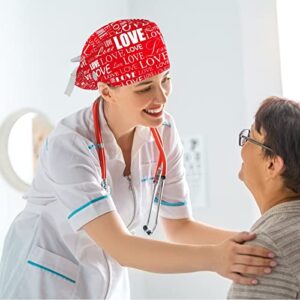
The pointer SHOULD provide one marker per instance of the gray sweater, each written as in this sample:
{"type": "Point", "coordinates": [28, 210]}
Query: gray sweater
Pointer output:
{"type": "Point", "coordinates": [278, 230]}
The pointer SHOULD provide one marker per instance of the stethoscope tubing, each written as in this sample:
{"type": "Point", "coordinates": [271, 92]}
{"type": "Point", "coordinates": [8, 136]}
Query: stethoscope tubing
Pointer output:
{"type": "Point", "coordinates": [162, 156]}
{"type": "Point", "coordinates": [99, 140]}
{"type": "Point", "coordinates": [160, 173]}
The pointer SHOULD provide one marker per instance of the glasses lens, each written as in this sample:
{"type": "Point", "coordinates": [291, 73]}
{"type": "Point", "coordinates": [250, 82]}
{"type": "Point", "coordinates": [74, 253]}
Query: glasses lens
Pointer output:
{"type": "Point", "coordinates": [244, 137]}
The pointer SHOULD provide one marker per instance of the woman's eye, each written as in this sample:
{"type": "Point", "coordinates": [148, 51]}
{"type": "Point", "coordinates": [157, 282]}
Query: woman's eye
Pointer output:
{"type": "Point", "coordinates": [168, 78]}
{"type": "Point", "coordinates": [145, 90]}
{"type": "Point", "coordinates": [165, 80]}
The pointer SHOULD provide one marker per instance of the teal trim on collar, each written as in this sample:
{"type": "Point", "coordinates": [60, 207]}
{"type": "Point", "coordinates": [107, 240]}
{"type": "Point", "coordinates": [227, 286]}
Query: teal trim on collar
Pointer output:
{"type": "Point", "coordinates": [47, 147]}
{"type": "Point", "coordinates": [51, 271]}
{"type": "Point", "coordinates": [92, 146]}
{"type": "Point", "coordinates": [85, 205]}
{"type": "Point", "coordinates": [166, 123]}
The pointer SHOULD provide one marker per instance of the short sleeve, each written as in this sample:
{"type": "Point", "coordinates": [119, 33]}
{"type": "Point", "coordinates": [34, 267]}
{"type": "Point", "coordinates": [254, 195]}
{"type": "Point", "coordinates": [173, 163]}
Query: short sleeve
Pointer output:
{"type": "Point", "coordinates": [175, 203]}
{"type": "Point", "coordinates": [75, 177]}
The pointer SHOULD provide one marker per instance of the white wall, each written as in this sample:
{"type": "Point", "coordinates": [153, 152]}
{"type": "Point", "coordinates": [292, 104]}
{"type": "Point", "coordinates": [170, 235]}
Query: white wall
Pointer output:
{"type": "Point", "coordinates": [260, 48]}
{"type": "Point", "coordinates": [225, 61]}
{"type": "Point", "coordinates": [224, 57]}
{"type": "Point", "coordinates": [289, 24]}
{"type": "Point", "coordinates": [38, 39]}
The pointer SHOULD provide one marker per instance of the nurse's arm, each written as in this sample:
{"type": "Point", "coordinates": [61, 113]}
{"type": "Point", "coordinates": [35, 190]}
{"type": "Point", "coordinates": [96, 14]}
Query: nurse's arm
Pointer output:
{"type": "Point", "coordinates": [189, 231]}
{"type": "Point", "coordinates": [110, 233]}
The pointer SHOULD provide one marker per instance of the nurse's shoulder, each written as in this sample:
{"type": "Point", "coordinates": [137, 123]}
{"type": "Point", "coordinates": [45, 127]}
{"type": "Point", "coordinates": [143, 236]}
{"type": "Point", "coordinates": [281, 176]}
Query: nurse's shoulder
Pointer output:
{"type": "Point", "coordinates": [70, 141]}
{"type": "Point", "coordinates": [78, 123]}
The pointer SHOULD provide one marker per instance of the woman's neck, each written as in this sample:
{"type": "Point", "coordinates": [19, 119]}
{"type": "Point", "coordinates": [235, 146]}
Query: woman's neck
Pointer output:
{"type": "Point", "coordinates": [122, 132]}
{"type": "Point", "coordinates": [274, 197]}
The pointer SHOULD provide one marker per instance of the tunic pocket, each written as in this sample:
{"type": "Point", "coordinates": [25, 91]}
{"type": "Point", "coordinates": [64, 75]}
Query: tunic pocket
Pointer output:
{"type": "Point", "coordinates": [49, 275]}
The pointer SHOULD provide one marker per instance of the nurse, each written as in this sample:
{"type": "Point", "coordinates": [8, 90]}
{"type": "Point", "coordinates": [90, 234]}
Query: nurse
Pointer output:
{"type": "Point", "coordinates": [94, 184]}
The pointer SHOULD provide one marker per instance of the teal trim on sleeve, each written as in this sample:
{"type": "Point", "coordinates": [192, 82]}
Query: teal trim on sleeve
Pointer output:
{"type": "Point", "coordinates": [85, 205]}
{"type": "Point", "coordinates": [166, 203]}
{"type": "Point", "coordinates": [51, 271]}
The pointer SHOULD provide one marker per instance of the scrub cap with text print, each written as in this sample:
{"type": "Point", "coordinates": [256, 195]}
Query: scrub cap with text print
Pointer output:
{"type": "Point", "coordinates": [120, 53]}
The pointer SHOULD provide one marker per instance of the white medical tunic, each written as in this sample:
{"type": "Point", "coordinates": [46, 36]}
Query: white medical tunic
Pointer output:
{"type": "Point", "coordinates": [46, 252]}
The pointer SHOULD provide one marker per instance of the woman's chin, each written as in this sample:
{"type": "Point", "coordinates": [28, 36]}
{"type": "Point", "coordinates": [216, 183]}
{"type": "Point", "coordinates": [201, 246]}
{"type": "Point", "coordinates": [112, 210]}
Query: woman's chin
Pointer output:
{"type": "Point", "coordinates": [153, 122]}
{"type": "Point", "coordinates": [241, 175]}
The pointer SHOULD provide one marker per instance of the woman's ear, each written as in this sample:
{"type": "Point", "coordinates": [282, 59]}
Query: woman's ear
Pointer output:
{"type": "Point", "coordinates": [105, 91]}
{"type": "Point", "coordinates": [275, 166]}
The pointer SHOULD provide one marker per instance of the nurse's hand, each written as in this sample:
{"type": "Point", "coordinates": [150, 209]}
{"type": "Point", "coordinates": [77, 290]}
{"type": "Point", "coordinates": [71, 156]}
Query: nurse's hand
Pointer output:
{"type": "Point", "coordinates": [242, 263]}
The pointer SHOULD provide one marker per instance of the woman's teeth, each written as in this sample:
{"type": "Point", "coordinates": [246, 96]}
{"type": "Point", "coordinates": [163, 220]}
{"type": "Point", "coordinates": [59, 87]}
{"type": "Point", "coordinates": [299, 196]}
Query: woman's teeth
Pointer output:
{"type": "Point", "coordinates": [153, 111]}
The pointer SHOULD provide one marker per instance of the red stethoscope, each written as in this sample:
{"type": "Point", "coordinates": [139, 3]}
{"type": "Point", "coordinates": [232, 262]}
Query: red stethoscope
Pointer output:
{"type": "Point", "coordinates": [160, 173]}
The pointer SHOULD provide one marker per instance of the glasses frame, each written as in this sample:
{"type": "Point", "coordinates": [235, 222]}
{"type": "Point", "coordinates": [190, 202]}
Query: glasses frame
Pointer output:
{"type": "Point", "coordinates": [247, 138]}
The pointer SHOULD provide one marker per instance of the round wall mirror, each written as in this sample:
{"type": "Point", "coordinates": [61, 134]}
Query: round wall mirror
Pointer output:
{"type": "Point", "coordinates": [21, 138]}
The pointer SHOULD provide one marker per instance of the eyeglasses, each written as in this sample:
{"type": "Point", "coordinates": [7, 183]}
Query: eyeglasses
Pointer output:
{"type": "Point", "coordinates": [244, 137]}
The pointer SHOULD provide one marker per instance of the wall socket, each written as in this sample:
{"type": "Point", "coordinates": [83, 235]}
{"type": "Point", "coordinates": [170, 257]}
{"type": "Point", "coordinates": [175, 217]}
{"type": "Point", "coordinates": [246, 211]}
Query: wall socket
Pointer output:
{"type": "Point", "coordinates": [194, 162]}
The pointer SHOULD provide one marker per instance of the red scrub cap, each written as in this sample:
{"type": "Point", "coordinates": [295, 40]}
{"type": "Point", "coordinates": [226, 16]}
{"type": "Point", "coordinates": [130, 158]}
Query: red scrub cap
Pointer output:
{"type": "Point", "coordinates": [121, 53]}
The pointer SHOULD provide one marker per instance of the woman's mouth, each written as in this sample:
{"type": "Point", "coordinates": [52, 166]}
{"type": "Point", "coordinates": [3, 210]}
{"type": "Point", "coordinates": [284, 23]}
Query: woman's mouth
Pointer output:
{"type": "Point", "coordinates": [154, 112]}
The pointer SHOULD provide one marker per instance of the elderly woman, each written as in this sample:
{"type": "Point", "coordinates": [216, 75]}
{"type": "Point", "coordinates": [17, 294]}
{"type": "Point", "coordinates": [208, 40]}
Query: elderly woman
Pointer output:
{"type": "Point", "coordinates": [271, 171]}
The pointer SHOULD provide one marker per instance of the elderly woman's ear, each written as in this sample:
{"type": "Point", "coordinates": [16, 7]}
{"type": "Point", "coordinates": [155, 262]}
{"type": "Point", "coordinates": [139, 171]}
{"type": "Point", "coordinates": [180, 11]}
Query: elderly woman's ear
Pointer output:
{"type": "Point", "coordinates": [275, 166]}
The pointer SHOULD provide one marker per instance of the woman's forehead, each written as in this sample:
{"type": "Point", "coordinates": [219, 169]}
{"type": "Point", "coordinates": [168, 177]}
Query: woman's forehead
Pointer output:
{"type": "Point", "coordinates": [152, 79]}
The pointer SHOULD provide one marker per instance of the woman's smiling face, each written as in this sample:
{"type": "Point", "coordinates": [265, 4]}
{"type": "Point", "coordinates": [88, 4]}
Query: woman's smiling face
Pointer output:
{"type": "Point", "coordinates": [143, 103]}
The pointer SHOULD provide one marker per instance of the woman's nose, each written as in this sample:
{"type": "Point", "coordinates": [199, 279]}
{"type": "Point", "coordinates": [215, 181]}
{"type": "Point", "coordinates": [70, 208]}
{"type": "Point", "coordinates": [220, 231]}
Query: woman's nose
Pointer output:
{"type": "Point", "coordinates": [161, 97]}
